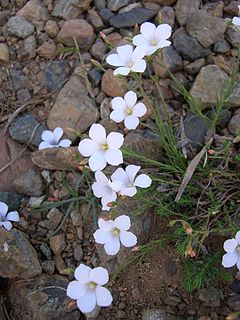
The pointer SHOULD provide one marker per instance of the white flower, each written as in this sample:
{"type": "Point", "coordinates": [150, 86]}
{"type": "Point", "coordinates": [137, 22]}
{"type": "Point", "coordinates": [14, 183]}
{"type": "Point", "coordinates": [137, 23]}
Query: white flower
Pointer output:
{"type": "Point", "coordinates": [6, 217]}
{"type": "Point", "coordinates": [236, 21]}
{"type": "Point", "coordinates": [102, 149]}
{"type": "Point", "coordinates": [88, 288]}
{"type": "Point", "coordinates": [232, 257]}
{"type": "Point", "coordinates": [106, 189]}
{"type": "Point", "coordinates": [51, 139]}
{"type": "Point", "coordinates": [153, 38]}
{"type": "Point", "coordinates": [111, 233]}
{"type": "Point", "coordinates": [130, 181]}
{"type": "Point", "coordinates": [127, 60]}
{"type": "Point", "coordinates": [126, 109]}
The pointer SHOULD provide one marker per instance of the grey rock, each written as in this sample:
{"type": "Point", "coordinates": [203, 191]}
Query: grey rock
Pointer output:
{"type": "Point", "coordinates": [167, 59]}
{"type": "Point", "coordinates": [73, 108]}
{"type": "Point", "coordinates": [106, 15]}
{"type": "Point", "coordinates": [195, 67]}
{"type": "Point", "coordinates": [209, 84]}
{"type": "Point", "coordinates": [94, 76]}
{"type": "Point", "coordinates": [41, 298]}
{"type": "Point", "coordinates": [13, 200]}
{"type": "Point", "coordinates": [4, 14]}
{"type": "Point", "coordinates": [115, 5]}
{"type": "Point", "coordinates": [77, 252]}
{"type": "Point", "coordinates": [210, 297]}
{"type": "Point", "coordinates": [167, 14]}
{"type": "Point", "coordinates": [130, 18]}
{"type": "Point", "coordinates": [105, 108]}
{"type": "Point", "coordinates": [235, 286]}
{"type": "Point", "coordinates": [221, 46]}
{"type": "Point", "coordinates": [189, 48]}
{"type": "Point", "coordinates": [154, 314]}
{"type": "Point", "coordinates": [23, 95]}
{"type": "Point", "coordinates": [46, 251]}
{"type": "Point", "coordinates": [234, 125]}
{"type": "Point", "coordinates": [48, 267]}
{"type": "Point", "coordinates": [195, 129]}
{"type": "Point", "coordinates": [56, 74]}
{"type": "Point", "coordinates": [18, 259]}
{"type": "Point", "coordinates": [224, 119]}
{"type": "Point", "coordinates": [234, 302]}
{"type": "Point", "coordinates": [206, 28]}
{"type": "Point", "coordinates": [4, 52]}
{"type": "Point", "coordinates": [19, 27]}
{"type": "Point", "coordinates": [27, 49]}
{"type": "Point", "coordinates": [233, 36]}
{"type": "Point", "coordinates": [66, 9]}
{"type": "Point", "coordinates": [99, 4]}
{"type": "Point", "coordinates": [186, 9]}
{"type": "Point", "coordinates": [19, 80]}
{"type": "Point", "coordinates": [34, 11]}
{"type": "Point", "coordinates": [29, 183]}
{"type": "Point", "coordinates": [22, 128]}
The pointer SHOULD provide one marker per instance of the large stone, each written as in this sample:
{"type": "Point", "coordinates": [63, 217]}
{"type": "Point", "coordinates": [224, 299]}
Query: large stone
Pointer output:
{"type": "Point", "coordinates": [19, 27]}
{"type": "Point", "coordinates": [18, 259]}
{"type": "Point", "coordinates": [81, 30]}
{"type": "Point", "coordinates": [29, 183]}
{"type": "Point", "coordinates": [206, 28]}
{"type": "Point", "coordinates": [56, 74]}
{"type": "Point", "coordinates": [189, 48]}
{"type": "Point", "coordinates": [130, 18]}
{"type": "Point", "coordinates": [186, 9]}
{"type": "Point", "coordinates": [113, 86]}
{"type": "Point", "coordinates": [167, 59]}
{"type": "Point", "coordinates": [34, 11]}
{"type": "Point", "coordinates": [41, 298]}
{"type": "Point", "coordinates": [73, 108]}
{"type": "Point", "coordinates": [209, 84]}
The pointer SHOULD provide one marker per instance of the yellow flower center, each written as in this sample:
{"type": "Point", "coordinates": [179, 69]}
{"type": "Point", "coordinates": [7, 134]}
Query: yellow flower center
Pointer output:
{"type": "Point", "coordinates": [104, 147]}
{"type": "Point", "coordinates": [153, 42]}
{"type": "Point", "coordinates": [116, 231]}
{"type": "Point", "coordinates": [92, 285]}
{"type": "Point", "coordinates": [129, 111]}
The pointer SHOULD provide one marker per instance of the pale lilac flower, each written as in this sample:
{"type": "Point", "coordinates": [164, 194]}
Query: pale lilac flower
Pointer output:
{"type": "Point", "coordinates": [102, 149]}
{"type": "Point", "coordinates": [128, 110]}
{"type": "Point", "coordinates": [88, 288]}
{"type": "Point", "coordinates": [232, 257]}
{"type": "Point", "coordinates": [51, 139]}
{"type": "Point", "coordinates": [153, 38]}
{"type": "Point", "coordinates": [6, 217]}
{"type": "Point", "coordinates": [236, 21]}
{"type": "Point", "coordinates": [130, 181]}
{"type": "Point", "coordinates": [105, 189]}
{"type": "Point", "coordinates": [127, 60]}
{"type": "Point", "coordinates": [112, 233]}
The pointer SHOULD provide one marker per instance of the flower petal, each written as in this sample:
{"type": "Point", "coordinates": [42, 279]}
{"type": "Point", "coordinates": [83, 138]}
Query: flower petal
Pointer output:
{"type": "Point", "coordinates": [101, 178]}
{"type": "Point", "coordinates": [97, 161]}
{"type": "Point", "coordinates": [65, 143]}
{"type": "Point", "coordinates": [105, 225]}
{"type": "Point", "coordinates": [128, 239]}
{"type": "Point", "coordinates": [13, 216]}
{"type": "Point", "coordinates": [112, 247]}
{"type": "Point", "coordinates": [76, 290]}
{"type": "Point", "coordinates": [237, 237]}
{"type": "Point", "coordinates": [108, 198]}
{"type": "Point", "coordinates": [87, 303]}
{"type": "Point", "coordinates": [122, 70]}
{"type": "Point", "coordinates": [148, 30]}
{"type": "Point", "coordinates": [120, 175]}
{"type": "Point", "coordinates": [3, 209]}
{"type": "Point", "coordinates": [58, 132]}
{"type": "Point", "coordinates": [114, 157]}
{"type": "Point", "coordinates": [118, 103]}
{"type": "Point", "coordinates": [230, 245]}
{"type": "Point", "coordinates": [131, 191]}
{"type": "Point", "coordinates": [87, 147]}
{"type": "Point", "coordinates": [143, 181]}
{"type": "Point", "coordinates": [97, 133]}
{"type": "Point", "coordinates": [163, 31]}
{"type": "Point", "coordinates": [102, 236]}
{"type": "Point", "coordinates": [131, 171]}
{"type": "Point", "coordinates": [163, 44]}
{"type": "Point", "coordinates": [122, 222]}
{"type": "Point", "coordinates": [125, 52]}
{"type": "Point", "coordinates": [115, 140]}
{"type": "Point", "coordinates": [230, 259]}
{"type": "Point", "coordinates": [46, 145]}
{"type": "Point", "coordinates": [104, 297]}
{"type": "Point", "coordinates": [99, 275]}
{"type": "Point", "coordinates": [139, 66]}
{"type": "Point", "coordinates": [131, 122]}
{"type": "Point", "coordinates": [48, 136]}
{"type": "Point", "coordinates": [116, 185]}
{"type": "Point", "coordinates": [7, 225]}
{"type": "Point", "coordinates": [236, 21]}
{"type": "Point", "coordinates": [139, 109]}
{"type": "Point", "coordinates": [139, 40]}
{"type": "Point", "coordinates": [117, 115]}
{"type": "Point", "coordinates": [82, 273]}
{"type": "Point", "coordinates": [115, 60]}
{"type": "Point", "coordinates": [99, 190]}
{"type": "Point", "coordinates": [130, 98]}
{"type": "Point", "coordinates": [138, 53]}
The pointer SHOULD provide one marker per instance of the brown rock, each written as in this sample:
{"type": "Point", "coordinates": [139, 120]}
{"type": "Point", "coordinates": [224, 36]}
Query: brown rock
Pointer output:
{"type": "Point", "coordinates": [4, 52]}
{"type": "Point", "coordinates": [98, 50]}
{"type": "Point", "coordinates": [18, 259]}
{"type": "Point", "coordinates": [80, 29]}
{"type": "Point", "coordinates": [95, 20]}
{"type": "Point", "coordinates": [185, 9]}
{"type": "Point", "coordinates": [47, 50]}
{"type": "Point", "coordinates": [27, 49]}
{"type": "Point", "coordinates": [34, 11]}
{"type": "Point", "coordinates": [51, 28]}
{"type": "Point", "coordinates": [166, 15]}
{"type": "Point", "coordinates": [232, 8]}
{"type": "Point", "coordinates": [73, 108]}
{"type": "Point", "coordinates": [234, 124]}
{"type": "Point", "coordinates": [163, 2]}
{"type": "Point", "coordinates": [57, 243]}
{"type": "Point", "coordinates": [113, 86]}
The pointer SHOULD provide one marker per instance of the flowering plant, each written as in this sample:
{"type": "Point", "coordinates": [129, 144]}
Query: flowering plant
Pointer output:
{"type": "Point", "coordinates": [6, 217]}
{"type": "Point", "coordinates": [51, 139]}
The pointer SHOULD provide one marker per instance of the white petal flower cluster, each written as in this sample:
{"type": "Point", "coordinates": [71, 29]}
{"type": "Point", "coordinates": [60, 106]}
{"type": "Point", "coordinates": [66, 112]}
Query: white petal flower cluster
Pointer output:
{"type": "Point", "coordinates": [51, 139]}
{"type": "Point", "coordinates": [128, 110]}
{"type": "Point", "coordinates": [232, 255]}
{"type": "Point", "coordinates": [6, 217]}
{"type": "Point", "coordinates": [112, 233]}
{"type": "Point", "coordinates": [88, 288]}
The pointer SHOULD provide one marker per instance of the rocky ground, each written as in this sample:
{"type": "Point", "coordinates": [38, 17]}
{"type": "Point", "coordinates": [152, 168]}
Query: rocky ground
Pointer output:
{"type": "Point", "coordinates": [44, 85]}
